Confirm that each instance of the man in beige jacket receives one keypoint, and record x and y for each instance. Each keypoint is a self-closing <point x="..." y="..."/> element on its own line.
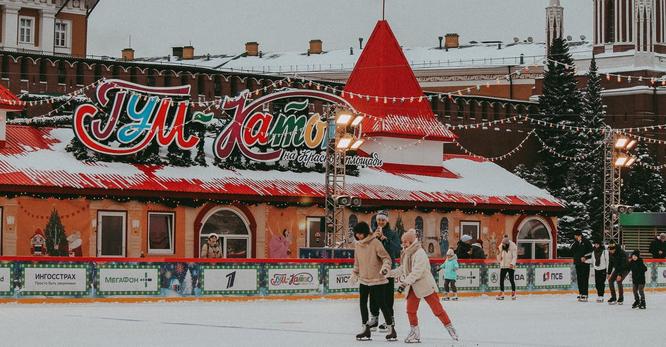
<point x="416" y="279"/>
<point x="371" y="264"/>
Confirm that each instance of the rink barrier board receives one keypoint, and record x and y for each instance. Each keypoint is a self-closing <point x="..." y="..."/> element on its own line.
<point x="168" y="278"/>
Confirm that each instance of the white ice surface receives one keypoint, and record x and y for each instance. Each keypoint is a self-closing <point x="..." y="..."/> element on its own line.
<point x="541" y="320"/>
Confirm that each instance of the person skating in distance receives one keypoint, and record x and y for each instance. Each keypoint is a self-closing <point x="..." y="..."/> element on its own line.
<point x="415" y="277"/>
<point x="638" y="270"/>
<point x="581" y="250"/>
<point x="618" y="268"/>
<point x="507" y="257"/>
<point x="450" y="266"/>
<point x="371" y="264"/>
<point x="600" y="264"/>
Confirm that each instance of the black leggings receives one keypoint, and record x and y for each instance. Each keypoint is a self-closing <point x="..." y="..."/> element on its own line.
<point x="387" y="298"/>
<point x="583" y="278"/>
<point x="376" y="294"/>
<point x="503" y="274"/>
<point x="451" y="283"/>
<point x="600" y="281"/>
<point x="639" y="292"/>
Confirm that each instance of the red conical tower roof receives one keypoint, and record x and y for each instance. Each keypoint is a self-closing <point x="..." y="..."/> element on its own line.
<point x="9" y="101"/>
<point x="397" y="103"/>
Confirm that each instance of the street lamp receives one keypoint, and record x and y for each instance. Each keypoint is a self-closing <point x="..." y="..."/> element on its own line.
<point x="616" y="157"/>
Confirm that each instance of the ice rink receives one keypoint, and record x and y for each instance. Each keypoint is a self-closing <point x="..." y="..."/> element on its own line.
<point x="540" y="320"/>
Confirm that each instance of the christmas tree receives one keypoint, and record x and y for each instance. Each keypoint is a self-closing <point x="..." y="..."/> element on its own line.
<point x="591" y="175"/>
<point x="56" y="240"/>
<point x="186" y="287"/>
<point x="534" y="175"/>
<point x="559" y="104"/>
<point x="642" y="186"/>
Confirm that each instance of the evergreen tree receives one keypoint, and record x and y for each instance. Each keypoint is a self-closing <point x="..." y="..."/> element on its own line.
<point x="56" y="241"/>
<point x="533" y="175"/>
<point x="186" y="287"/>
<point x="559" y="104"/>
<point x="643" y="187"/>
<point x="591" y="170"/>
<point x="577" y="217"/>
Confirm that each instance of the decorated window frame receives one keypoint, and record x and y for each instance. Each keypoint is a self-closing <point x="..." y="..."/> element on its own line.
<point x="62" y="34"/>
<point x="475" y="234"/>
<point x="171" y="227"/>
<point x="26" y="30"/>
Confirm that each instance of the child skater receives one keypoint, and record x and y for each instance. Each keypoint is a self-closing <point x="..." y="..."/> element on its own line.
<point x="416" y="280"/>
<point x="371" y="264"/>
<point x="638" y="270"/>
<point x="450" y="267"/>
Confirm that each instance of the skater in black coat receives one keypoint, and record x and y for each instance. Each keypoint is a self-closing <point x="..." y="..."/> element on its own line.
<point x="638" y="270"/>
<point x="582" y="251"/>
<point x="618" y="269"/>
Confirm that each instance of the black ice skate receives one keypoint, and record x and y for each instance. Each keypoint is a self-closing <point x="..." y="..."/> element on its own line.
<point x="365" y="334"/>
<point x="383" y="328"/>
<point x="373" y="323"/>
<point x="620" y="301"/>
<point x="612" y="301"/>
<point x="635" y="304"/>
<point x="642" y="305"/>
<point x="392" y="335"/>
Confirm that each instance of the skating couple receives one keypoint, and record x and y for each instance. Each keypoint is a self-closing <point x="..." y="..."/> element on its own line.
<point x="372" y="269"/>
<point x="613" y="265"/>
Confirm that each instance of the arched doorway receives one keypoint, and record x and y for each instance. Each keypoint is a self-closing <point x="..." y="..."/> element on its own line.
<point x="233" y="230"/>
<point x="534" y="239"/>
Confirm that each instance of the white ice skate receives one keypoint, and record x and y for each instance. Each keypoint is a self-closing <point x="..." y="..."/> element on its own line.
<point x="455" y="297"/>
<point x="414" y="335"/>
<point x="600" y="299"/>
<point x="500" y="296"/>
<point x="452" y="332"/>
<point x="513" y="295"/>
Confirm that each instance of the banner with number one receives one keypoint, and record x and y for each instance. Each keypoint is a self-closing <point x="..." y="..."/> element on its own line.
<point x="229" y="279"/>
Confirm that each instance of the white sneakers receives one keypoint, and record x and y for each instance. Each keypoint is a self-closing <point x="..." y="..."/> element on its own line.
<point x="414" y="335"/>
<point x="600" y="299"/>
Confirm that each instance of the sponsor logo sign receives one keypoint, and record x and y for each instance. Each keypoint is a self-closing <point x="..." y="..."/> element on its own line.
<point x="54" y="279"/>
<point x="338" y="279"/>
<point x="229" y="279"/>
<point x="137" y="280"/>
<point x="520" y="277"/>
<point x="468" y="278"/>
<point x="285" y="279"/>
<point x="552" y="277"/>
<point x="5" y="280"/>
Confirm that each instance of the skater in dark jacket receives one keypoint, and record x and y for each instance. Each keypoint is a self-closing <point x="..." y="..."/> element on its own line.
<point x="638" y="270"/>
<point x="581" y="251"/>
<point x="391" y="242"/>
<point x="464" y="249"/>
<point x="618" y="268"/>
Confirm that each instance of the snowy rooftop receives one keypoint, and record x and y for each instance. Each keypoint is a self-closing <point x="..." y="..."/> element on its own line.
<point x="468" y="55"/>
<point x="36" y="158"/>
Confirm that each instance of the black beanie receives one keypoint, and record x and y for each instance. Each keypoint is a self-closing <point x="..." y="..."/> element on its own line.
<point x="362" y="228"/>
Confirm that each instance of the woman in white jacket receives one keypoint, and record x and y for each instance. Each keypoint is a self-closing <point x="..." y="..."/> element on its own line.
<point x="507" y="257"/>
<point x="415" y="277"/>
<point x="600" y="264"/>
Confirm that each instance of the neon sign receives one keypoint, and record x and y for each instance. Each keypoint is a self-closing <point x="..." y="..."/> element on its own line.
<point x="139" y="115"/>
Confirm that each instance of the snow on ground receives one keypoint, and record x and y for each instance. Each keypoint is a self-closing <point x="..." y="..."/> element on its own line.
<point x="541" y="320"/>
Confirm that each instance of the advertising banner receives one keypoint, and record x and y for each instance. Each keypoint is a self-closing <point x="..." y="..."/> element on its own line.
<point x="552" y="276"/>
<point x="124" y="279"/>
<point x="469" y="278"/>
<point x="292" y="278"/>
<point x="54" y="279"/>
<point x="661" y="275"/>
<point x="337" y="279"/>
<point x="520" y="277"/>
<point x="5" y="279"/>
<point x="229" y="279"/>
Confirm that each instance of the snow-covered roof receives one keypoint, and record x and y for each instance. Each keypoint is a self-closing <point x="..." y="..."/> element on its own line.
<point x="471" y="54"/>
<point x="35" y="160"/>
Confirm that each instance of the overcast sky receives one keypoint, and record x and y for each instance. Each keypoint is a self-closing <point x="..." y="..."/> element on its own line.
<point x="223" y="26"/>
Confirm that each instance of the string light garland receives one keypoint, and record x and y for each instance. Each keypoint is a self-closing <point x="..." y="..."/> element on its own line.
<point x="580" y="157"/>
<point x="500" y="157"/>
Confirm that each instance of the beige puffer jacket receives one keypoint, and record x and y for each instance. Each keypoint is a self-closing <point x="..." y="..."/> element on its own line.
<point x="415" y="272"/>
<point x="506" y="258"/>
<point x="370" y="258"/>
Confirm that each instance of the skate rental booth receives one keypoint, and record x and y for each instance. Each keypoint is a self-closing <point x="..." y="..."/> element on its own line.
<point x="151" y="193"/>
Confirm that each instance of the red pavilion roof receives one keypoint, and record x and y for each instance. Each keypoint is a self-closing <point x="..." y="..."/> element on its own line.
<point x="383" y="85"/>
<point x="9" y="101"/>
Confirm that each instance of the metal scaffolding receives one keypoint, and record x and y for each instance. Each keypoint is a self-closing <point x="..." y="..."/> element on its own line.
<point x="612" y="188"/>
